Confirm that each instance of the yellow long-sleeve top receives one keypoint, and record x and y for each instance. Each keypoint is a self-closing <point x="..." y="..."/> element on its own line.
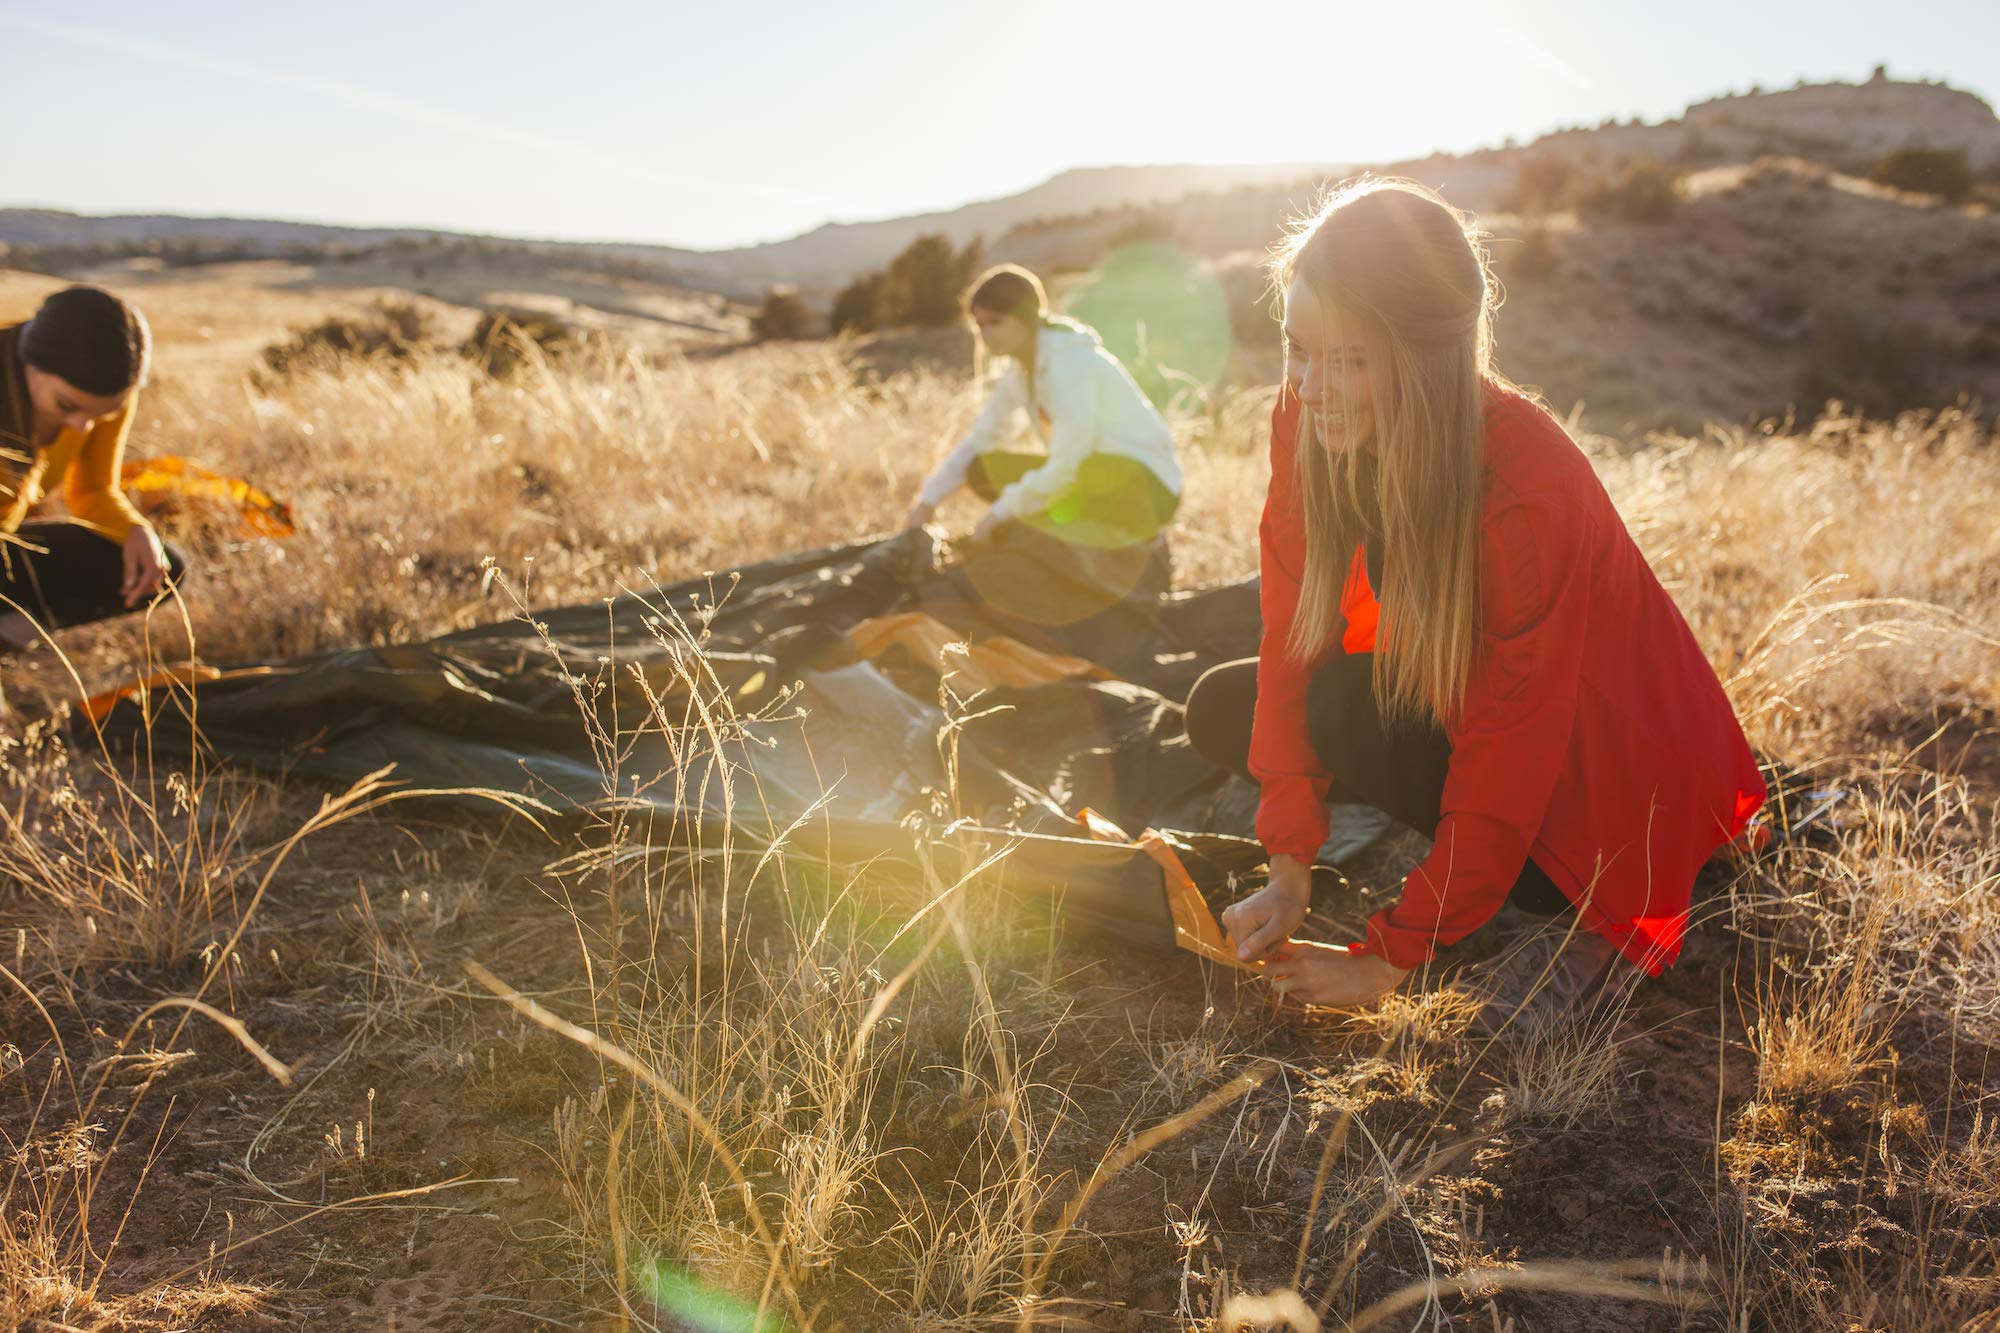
<point x="86" y="463"/>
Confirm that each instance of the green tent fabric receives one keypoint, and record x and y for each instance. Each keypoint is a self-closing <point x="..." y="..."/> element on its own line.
<point x="736" y="696"/>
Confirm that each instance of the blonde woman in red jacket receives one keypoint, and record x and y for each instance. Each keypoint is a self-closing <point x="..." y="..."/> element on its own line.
<point x="1458" y="629"/>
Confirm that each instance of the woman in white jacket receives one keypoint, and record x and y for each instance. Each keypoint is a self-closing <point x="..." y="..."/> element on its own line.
<point x="1109" y="480"/>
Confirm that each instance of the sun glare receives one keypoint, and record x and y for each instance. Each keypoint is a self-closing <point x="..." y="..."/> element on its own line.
<point x="1305" y="83"/>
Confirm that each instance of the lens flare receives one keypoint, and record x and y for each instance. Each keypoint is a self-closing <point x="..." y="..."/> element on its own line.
<point x="1163" y="315"/>
<point x="699" y="1306"/>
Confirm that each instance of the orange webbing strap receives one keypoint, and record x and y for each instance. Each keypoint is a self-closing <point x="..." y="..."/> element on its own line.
<point x="187" y="675"/>
<point x="1195" y="927"/>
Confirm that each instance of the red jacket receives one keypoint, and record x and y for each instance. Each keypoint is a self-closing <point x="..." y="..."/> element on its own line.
<point x="1595" y="736"/>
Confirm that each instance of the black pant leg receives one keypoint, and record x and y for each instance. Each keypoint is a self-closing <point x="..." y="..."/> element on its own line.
<point x="1217" y="715"/>
<point x="62" y="574"/>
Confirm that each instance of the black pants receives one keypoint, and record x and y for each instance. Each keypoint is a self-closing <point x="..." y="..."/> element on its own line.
<point x="1399" y="769"/>
<point x="63" y="574"/>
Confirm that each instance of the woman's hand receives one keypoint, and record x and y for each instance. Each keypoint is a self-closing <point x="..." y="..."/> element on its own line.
<point x="920" y="514"/>
<point x="145" y="565"/>
<point x="1264" y="920"/>
<point x="1328" y="975"/>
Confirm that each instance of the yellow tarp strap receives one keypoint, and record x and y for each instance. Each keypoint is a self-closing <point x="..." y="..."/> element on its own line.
<point x="1195" y="927"/>
<point x="985" y="665"/>
<point x="259" y="514"/>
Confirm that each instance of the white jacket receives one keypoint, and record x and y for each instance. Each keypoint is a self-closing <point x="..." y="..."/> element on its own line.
<point x="1093" y="406"/>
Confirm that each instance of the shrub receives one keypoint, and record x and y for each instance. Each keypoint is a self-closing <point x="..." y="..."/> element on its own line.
<point x="1643" y="191"/>
<point x="505" y="339"/>
<point x="783" y="316"/>
<point x="1539" y="256"/>
<point x="1544" y="183"/>
<point x="1152" y="226"/>
<point x="1875" y="365"/>
<point x="1944" y="172"/>
<point x="1696" y="150"/>
<point x="921" y="286"/>
<point x="1983" y="347"/>
<point x="858" y="307"/>
<point x="1254" y="306"/>
<point x="392" y="330"/>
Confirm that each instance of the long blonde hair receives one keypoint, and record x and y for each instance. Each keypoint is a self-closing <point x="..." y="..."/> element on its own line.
<point x="1406" y="267"/>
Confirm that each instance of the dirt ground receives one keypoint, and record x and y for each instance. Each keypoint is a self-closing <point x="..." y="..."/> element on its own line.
<point x="453" y="1096"/>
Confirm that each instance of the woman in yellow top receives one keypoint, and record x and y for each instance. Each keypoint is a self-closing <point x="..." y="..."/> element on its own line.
<point x="68" y="381"/>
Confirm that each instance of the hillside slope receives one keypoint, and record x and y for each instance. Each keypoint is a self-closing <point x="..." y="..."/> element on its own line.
<point x="1774" y="286"/>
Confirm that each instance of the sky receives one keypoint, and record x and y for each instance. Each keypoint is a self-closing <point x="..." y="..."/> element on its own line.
<point x="713" y="125"/>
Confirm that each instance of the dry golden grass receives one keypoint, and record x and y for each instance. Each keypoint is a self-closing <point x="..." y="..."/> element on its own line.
<point x="783" y="1106"/>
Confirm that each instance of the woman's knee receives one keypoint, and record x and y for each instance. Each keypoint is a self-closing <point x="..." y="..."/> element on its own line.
<point x="1219" y="712"/>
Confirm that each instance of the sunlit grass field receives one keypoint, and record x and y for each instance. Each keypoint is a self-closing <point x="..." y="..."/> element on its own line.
<point x="274" y="1056"/>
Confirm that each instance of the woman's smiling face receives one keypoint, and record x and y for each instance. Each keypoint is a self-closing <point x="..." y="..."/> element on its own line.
<point x="1326" y="358"/>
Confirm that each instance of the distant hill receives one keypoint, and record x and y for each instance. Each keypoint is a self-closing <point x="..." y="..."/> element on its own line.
<point x="52" y="228"/>
<point x="1845" y="127"/>
<point x="826" y="256"/>
<point x="1860" y="121"/>
<point x="1066" y="220"/>
<point x="832" y="254"/>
